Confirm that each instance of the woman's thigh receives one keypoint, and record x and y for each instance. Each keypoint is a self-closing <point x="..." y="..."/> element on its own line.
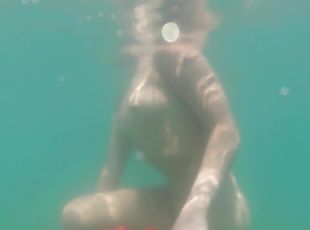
<point x="134" y="208"/>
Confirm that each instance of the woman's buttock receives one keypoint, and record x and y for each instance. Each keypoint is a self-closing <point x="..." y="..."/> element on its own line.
<point x="144" y="207"/>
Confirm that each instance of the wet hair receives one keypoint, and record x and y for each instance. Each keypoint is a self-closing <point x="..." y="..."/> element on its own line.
<point x="143" y="20"/>
<point x="190" y="15"/>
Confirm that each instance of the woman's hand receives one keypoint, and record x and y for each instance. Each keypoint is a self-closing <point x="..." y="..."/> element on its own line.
<point x="191" y="220"/>
<point x="194" y="213"/>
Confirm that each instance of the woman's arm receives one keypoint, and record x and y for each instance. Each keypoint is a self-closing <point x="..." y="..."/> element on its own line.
<point x="118" y="152"/>
<point x="194" y="81"/>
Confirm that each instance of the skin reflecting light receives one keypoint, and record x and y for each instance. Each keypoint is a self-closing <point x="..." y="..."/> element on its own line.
<point x="170" y="32"/>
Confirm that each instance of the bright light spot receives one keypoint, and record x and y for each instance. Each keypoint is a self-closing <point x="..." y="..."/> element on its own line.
<point x="284" y="91"/>
<point x="170" y="32"/>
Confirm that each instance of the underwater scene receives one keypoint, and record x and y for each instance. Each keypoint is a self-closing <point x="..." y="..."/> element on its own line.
<point x="98" y="96"/>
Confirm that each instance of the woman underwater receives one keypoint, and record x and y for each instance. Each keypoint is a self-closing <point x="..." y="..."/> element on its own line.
<point x="175" y="112"/>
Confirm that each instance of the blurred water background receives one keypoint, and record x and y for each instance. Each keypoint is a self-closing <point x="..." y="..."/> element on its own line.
<point x="60" y="82"/>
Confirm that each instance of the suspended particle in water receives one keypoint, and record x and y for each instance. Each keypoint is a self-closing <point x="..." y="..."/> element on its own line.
<point x="25" y="2"/>
<point x="88" y="45"/>
<point x="284" y="91"/>
<point x="140" y="156"/>
<point x="113" y="16"/>
<point x="100" y="15"/>
<point x="62" y="79"/>
<point x="170" y="32"/>
<point x="88" y="17"/>
<point x="119" y="33"/>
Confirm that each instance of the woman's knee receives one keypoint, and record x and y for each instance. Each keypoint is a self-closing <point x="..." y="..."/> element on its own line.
<point x="85" y="212"/>
<point x="74" y="214"/>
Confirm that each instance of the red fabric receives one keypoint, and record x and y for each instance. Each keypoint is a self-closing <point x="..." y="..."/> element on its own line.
<point x="120" y="227"/>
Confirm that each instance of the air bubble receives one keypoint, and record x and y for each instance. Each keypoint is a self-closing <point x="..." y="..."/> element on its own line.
<point x="170" y="32"/>
<point x="284" y="91"/>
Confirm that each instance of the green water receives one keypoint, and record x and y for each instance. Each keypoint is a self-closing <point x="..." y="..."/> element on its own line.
<point x="60" y="81"/>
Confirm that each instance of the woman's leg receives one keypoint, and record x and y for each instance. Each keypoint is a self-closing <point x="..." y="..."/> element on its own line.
<point x="136" y="209"/>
